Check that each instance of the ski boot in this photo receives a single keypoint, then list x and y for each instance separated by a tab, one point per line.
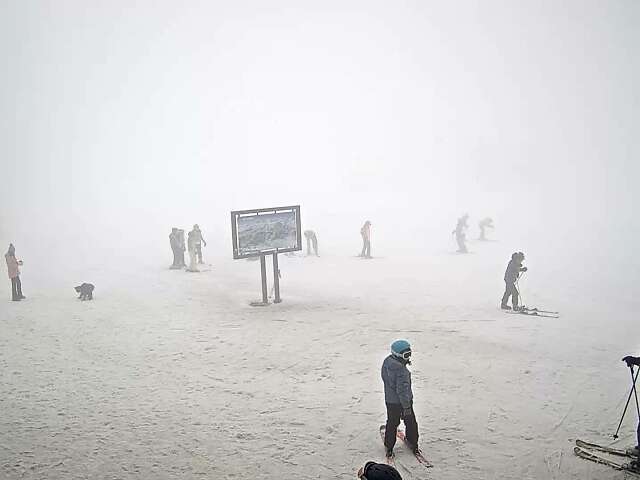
633	452
389	453
505	307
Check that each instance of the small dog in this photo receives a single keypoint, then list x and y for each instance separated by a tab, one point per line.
86	291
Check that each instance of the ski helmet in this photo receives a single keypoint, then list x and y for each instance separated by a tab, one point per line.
379	471
401	349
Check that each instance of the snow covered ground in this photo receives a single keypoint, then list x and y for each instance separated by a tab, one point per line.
168	374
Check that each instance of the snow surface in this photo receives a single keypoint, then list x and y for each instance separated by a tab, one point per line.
168	374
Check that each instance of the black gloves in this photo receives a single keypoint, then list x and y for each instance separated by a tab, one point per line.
407	412
629	360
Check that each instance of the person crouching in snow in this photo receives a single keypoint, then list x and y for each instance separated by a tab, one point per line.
398	396
511	275
378	471
13	269
312	239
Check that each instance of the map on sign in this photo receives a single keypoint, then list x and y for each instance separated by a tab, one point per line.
259	231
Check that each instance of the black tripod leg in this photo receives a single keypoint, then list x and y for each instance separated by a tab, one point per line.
633	389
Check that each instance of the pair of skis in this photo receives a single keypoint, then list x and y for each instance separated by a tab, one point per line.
401	436
593	452
535	312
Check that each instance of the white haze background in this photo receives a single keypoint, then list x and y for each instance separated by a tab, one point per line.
120	120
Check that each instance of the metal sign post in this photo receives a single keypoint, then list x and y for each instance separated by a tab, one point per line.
263	274
266	231
276	279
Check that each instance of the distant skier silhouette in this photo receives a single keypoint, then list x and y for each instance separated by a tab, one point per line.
312	239
460	233
365	232
484	224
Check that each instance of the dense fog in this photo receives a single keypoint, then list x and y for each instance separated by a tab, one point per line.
120	120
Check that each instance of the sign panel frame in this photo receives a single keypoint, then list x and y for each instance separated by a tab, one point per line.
236	215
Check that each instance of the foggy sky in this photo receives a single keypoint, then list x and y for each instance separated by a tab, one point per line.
120	121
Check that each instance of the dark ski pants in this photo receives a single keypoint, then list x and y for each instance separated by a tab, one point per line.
366	248
199	252
394	414
175	257
510	291
16	288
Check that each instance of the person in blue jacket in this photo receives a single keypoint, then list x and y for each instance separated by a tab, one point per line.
398	396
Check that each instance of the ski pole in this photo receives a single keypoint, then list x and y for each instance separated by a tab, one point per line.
518	289
633	389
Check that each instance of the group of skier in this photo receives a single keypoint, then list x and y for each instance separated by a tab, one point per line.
194	244
460	231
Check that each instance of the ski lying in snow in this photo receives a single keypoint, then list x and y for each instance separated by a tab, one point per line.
419	456
533	313
392	459
527	309
601	448
594	457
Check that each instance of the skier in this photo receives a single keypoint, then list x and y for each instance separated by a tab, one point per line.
310	235
174	241
191	245
13	269
511	275
460	234
398	396
181	248
378	471
635	464
365	231
199	242
484	224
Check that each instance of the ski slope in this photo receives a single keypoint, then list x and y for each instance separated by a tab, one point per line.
172	375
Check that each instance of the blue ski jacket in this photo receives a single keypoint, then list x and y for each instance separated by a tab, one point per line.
397	382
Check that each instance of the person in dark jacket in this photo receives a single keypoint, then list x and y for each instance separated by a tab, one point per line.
378	471
635	464
13	269
312	239
398	396
514	268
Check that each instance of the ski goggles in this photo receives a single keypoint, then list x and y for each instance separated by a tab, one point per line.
405	355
